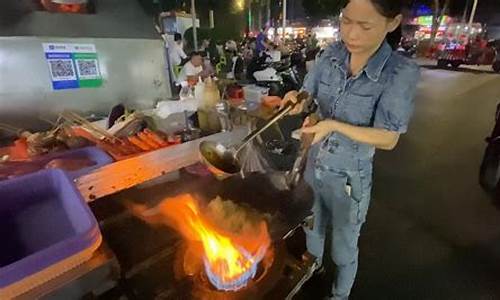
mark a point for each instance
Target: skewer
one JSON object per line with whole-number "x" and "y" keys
{"x": 49, "y": 121}
{"x": 10, "y": 128}
{"x": 77, "y": 119}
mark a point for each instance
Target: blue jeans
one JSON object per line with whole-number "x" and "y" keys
{"x": 342, "y": 186}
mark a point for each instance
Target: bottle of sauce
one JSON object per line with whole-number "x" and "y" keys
{"x": 207, "y": 114}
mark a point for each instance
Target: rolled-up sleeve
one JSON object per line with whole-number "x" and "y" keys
{"x": 396, "y": 104}
{"x": 312, "y": 78}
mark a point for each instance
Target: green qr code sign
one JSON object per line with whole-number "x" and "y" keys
{"x": 87, "y": 66}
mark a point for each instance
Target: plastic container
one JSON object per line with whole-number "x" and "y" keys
{"x": 208, "y": 118}
{"x": 94, "y": 154}
{"x": 46, "y": 229}
{"x": 199, "y": 89}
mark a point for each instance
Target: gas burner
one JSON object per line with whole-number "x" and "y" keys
{"x": 202, "y": 286}
{"x": 237, "y": 283}
{"x": 280, "y": 275}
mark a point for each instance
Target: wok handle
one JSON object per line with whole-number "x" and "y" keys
{"x": 301, "y": 97}
{"x": 306, "y": 141}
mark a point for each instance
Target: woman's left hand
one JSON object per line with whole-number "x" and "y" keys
{"x": 320, "y": 130}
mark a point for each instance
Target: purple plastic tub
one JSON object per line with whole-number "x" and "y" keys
{"x": 94, "y": 154}
{"x": 43, "y": 220}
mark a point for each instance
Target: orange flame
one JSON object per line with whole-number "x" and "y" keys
{"x": 229, "y": 255}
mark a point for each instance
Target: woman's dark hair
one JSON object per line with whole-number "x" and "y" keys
{"x": 390, "y": 9}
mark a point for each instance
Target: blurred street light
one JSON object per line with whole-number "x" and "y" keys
{"x": 239, "y": 5}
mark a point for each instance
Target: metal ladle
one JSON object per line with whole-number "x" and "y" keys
{"x": 224, "y": 162}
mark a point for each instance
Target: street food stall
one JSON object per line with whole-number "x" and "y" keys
{"x": 424, "y": 27}
{"x": 108, "y": 187}
{"x": 158, "y": 223}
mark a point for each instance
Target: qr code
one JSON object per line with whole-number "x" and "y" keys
{"x": 87, "y": 67}
{"x": 61, "y": 68}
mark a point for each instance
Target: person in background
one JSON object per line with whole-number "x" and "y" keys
{"x": 278, "y": 40}
{"x": 231, "y": 46}
{"x": 312, "y": 42}
{"x": 212, "y": 52}
{"x": 192, "y": 69}
{"x": 261, "y": 41}
{"x": 208, "y": 68}
{"x": 252, "y": 44}
{"x": 204, "y": 45}
{"x": 176, "y": 53}
{"x": 235, "y": 68}
{"x": 273, "y": 52}
{"x": 219, "y": 46}
{"x": 248, "y": 54}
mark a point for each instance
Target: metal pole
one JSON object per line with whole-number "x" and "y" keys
{"x": 259, "y": 7}
{"x": 473, "y": 14}
{"x": 195, "y": 32}
{"x": 268, "y": 12}
{"x": 284, "y": 19}
{"x": 211, "y": 18}
{"x": 466, "y": 10}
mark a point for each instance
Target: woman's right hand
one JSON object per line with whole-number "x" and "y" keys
{"x": 292, "y": 97}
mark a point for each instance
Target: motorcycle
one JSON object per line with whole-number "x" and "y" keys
{"x": 407, "y": 50}
{"x": 280, "y": 77}
{"x": 489, "y": 174}
{"x": 496, "y": 63}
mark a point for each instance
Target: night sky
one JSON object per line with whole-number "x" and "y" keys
{"x": 487, "y": 11}
{"x": 484, "y": 7}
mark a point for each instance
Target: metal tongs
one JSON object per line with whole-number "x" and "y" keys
{"x": 293, "y": 177}
{"x": 224, "y": 162}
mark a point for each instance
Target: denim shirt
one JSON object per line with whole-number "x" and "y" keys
{"x": 380, "y": 96}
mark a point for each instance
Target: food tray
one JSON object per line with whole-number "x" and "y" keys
{"x": 47, "y": 229}
{"x": 96, "y": 157}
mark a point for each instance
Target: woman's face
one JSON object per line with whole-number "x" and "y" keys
{"x": 363, "y": 28}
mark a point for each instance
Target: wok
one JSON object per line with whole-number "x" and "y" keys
{"x": 283, "y": 196}
{"x": 286, "y": 208}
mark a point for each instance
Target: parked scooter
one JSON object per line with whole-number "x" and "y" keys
{"x": 496, "y": 63}
{"x": 408, "y": 50}
{"x": 280, "y": 77}
{"x": 489, "y": 174}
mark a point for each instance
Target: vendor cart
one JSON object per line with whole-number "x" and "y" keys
{"x": 476, "y": 53}
{"x": 86, "y": 223}
{"x": 140, "y": 260}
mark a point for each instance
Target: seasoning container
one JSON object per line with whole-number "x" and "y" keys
{"x": 207, "y": 114}
{"x": 199, "y": 89}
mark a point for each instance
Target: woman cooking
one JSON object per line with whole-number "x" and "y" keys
{"x": 364, "y": 92}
